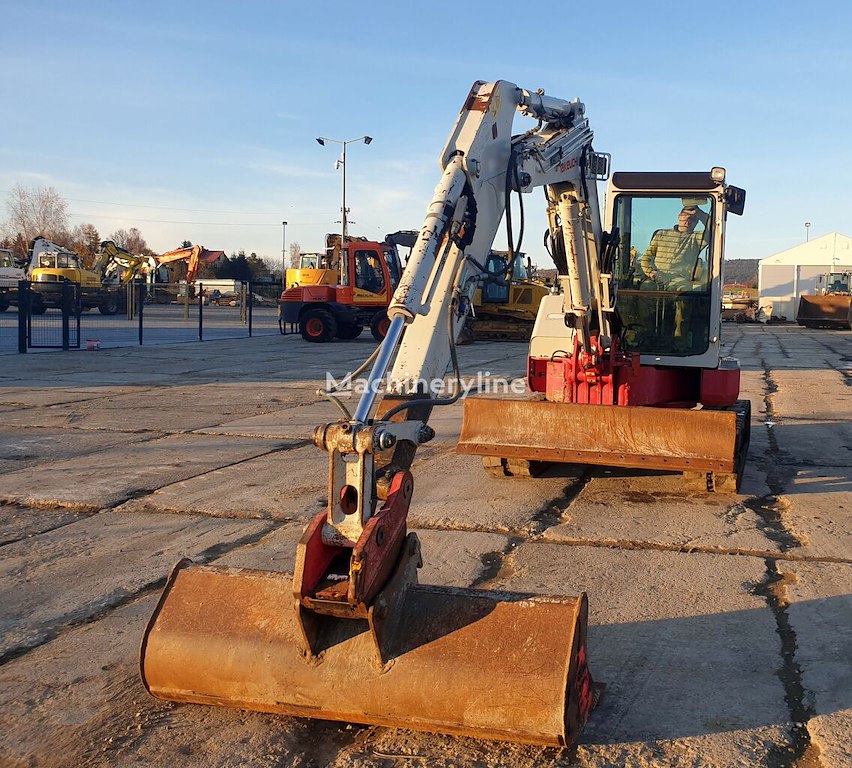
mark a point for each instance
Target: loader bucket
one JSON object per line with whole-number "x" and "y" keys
{"x": 491, "y": 665}
{"x": 677, "y": 439}
{"x": 829, "y": 311}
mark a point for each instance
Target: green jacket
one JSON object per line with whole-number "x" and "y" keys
{"x": 674, "y": 258}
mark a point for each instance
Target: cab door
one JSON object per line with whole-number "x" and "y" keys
{"x": 370, "y": 277}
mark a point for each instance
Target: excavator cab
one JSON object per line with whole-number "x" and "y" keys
{"x": 663, "y": 274}
{"x": 369, "y": 275}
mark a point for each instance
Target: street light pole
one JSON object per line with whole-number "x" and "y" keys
{"x": 344, "y": 219}
{"x": 283, "y": 252}
{"x": 807, "y": 231}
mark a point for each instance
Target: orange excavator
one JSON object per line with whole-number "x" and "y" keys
{"x": 193, "y": 256}
{"x": 624, "y": 355}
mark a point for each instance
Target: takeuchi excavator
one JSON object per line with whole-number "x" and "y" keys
{"x": 627, "y": 355}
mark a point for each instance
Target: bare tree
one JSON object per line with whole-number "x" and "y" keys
{"x": 295, "y": 254}
{"x": 84, "y": 240}
{"x": 36, "y": 211}
{"x": 131, "y": 240}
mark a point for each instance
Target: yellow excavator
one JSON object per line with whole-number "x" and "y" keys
{"x": 506, "y": 302}
{"x": 351, "y": 635}
{"x": 118, "y": 265}
{"x": 313, "y": 269}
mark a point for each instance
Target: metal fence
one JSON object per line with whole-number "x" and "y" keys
{"x": 137, "y": 314}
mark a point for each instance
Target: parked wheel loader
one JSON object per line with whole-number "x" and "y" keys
{"x": 352, "y": 635}
{"x": 831, "y": 306}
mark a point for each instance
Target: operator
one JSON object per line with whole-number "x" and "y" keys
{"x": 672, "y": 259}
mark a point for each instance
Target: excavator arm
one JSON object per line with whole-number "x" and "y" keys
{"x": 114, "y": 261}
{"x": 190, "y": 255}
{"x": 365, "y": 642}
{"x": 483, "y": 163}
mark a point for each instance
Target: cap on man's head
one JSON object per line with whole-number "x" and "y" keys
{"x": 689, "y": 209}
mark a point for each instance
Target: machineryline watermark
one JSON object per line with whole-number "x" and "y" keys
{"x": 482, "y": 383}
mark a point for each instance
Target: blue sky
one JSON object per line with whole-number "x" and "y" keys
{"x": 197, "y": 120}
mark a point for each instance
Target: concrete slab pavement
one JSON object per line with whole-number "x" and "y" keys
{"x": 819, "y": 605}
{"x": 282, "y": 485}
{"x": 74, "y": 572}
{"x": 672, "y": 636}
{"x": 107, "y": 478}
{"x": 686, "y": 622}
{"x": 652, "y": 509}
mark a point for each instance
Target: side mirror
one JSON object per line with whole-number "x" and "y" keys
{"x": 735, "y": 200}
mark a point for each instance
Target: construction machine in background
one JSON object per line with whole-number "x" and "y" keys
{"x": 831, "y": 306}
{"x": 52, "y": 264}
{"x": 313, "y": 269}
{"x": 117, "y": 265}
{"x": 324, "y": 268}
{"x": 364, "y": 274}
{"x": 11, "y": 273}
{"x": 193, "y": 256}
{"x": 506, "y": 302}
{"x": 635, "y": 369}
{"x": 739, "y": 303}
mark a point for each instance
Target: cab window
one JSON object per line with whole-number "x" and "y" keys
{"x": 663, "y": 273}
{"x": 368, "y": 272}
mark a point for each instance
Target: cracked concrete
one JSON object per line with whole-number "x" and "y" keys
{"x": 721, "y": 624}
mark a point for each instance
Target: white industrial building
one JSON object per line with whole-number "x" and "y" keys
{"x": 782, "y": 278}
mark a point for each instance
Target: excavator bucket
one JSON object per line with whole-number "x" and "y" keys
{"x": 828, "y": 311}
{"x": 491, "y": 665}
{"x": 705, "y": 441}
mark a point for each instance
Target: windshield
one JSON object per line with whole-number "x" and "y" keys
{"x": 663, "y": 273}
{"x": 368, "y": 272}
{"x": 838, "y": 282}
{"x": 59, "y": 261}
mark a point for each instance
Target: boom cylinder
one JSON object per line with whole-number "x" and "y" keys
{"x": 380, "y": 368}
{"x": 408, "y": 298}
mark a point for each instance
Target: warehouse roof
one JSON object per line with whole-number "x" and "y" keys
{"x": 828, "y": 249}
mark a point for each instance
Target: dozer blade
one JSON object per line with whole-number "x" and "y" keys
{"x": 618, "y": 436}
{"x": 467, "y": 662}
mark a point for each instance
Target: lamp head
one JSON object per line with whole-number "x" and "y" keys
{"x": 368, "y": 139}
{"x": 321, "y": 141}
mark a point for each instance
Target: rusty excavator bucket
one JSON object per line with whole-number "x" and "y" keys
{"x": 352, "y": 636}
